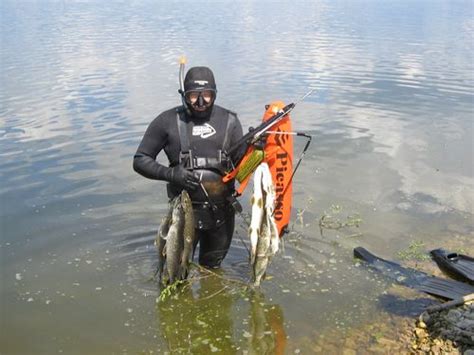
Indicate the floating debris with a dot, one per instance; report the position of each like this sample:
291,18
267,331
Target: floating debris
213,348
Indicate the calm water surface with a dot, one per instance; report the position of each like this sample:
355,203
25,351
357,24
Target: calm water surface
392,126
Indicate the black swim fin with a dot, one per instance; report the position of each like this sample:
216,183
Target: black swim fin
436,286
457,266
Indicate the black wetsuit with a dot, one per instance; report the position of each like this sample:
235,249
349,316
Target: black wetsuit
207,139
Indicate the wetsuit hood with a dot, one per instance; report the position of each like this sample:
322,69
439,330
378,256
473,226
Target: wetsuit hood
199,79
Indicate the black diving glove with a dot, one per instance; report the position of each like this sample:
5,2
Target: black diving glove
182,177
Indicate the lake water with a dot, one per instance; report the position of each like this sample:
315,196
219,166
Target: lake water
392,125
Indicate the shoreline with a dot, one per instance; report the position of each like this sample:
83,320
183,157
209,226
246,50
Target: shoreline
406,327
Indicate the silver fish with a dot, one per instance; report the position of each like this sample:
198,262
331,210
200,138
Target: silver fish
270,200
263,231
161,241
262,257
257,213
189,234
174,241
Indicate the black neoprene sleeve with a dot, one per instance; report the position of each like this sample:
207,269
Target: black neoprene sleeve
152,143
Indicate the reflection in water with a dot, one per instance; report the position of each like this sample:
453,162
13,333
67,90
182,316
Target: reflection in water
198,320
402,305
268,334
208,315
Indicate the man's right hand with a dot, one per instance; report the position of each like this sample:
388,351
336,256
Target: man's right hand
184,178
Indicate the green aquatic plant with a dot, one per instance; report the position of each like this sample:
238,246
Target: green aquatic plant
415,251
232,286
332,220
378,335
169,290
300,213
335,209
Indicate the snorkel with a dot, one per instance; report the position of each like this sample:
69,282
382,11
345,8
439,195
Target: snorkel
182,62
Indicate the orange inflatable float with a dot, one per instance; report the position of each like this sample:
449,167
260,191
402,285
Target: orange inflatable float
278,154
279,157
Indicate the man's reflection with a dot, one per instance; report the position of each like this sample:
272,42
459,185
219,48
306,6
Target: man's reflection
198,317
208,315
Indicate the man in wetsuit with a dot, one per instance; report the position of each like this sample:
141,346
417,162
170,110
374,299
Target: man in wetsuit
195,138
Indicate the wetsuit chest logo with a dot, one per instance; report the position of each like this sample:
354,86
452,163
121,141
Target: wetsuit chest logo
204,131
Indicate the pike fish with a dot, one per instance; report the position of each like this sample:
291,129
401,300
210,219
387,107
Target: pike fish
174,241
257,213
262,257
263,231
189,235
161,241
